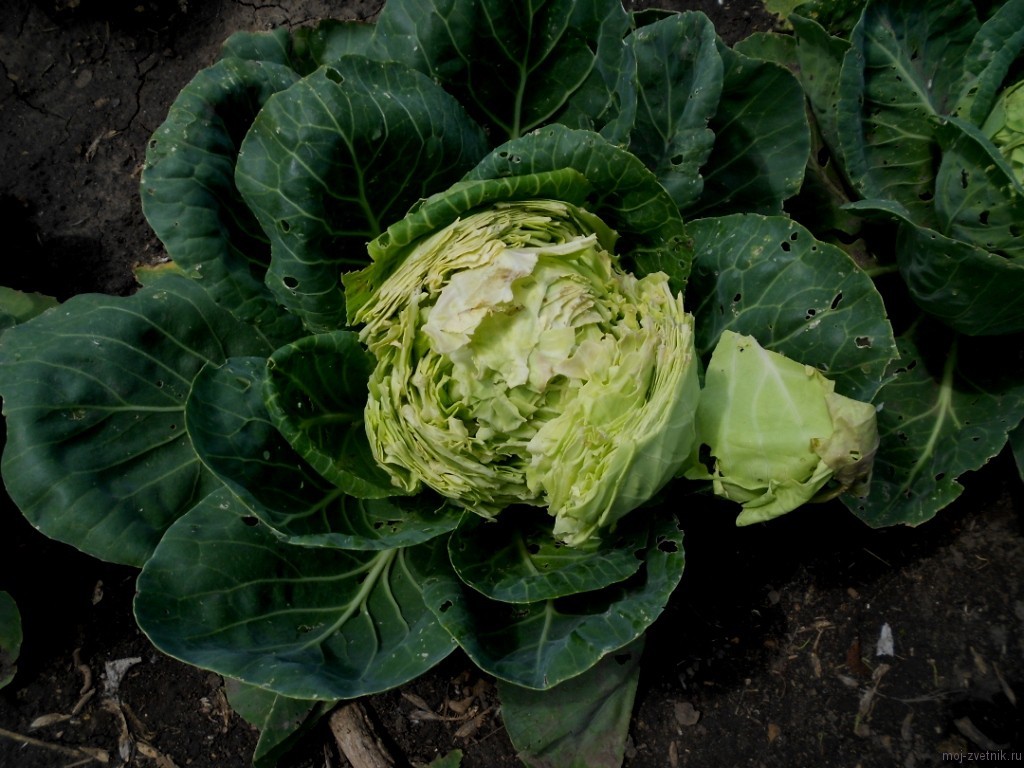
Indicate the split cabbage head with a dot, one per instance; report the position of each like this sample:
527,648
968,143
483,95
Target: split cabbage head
779,434
1005,127
518,363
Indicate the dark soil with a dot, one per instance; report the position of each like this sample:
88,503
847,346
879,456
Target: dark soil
767,655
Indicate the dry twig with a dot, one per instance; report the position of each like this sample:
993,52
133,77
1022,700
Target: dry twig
357,739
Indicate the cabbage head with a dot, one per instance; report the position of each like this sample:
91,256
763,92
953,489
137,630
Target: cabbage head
517,363
1005,127
778,433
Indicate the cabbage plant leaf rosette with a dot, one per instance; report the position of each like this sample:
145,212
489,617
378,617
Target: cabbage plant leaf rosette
517,363
418,374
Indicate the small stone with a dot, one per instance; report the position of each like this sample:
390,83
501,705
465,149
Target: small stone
686,713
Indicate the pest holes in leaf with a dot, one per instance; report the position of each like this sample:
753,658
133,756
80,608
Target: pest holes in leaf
335,76
666,545
533,548
443,608
926,196
290,282
862,342
159,383
902,436
811,312
939,476
965,178
705,457
836,300
983,218
284,225
250,521
785,246
676,160
736,298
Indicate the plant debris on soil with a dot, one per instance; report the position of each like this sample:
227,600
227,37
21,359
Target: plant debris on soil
809,641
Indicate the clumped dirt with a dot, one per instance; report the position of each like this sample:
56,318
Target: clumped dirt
775,651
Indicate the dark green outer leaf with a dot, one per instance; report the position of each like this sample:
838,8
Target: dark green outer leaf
625,194
189,195
427,35
581,723
767,277
231,430
539,645
978,199
304,49
820,58
94,392
770,46
280,720
968,288
816,57
837,16
903,68
308,623
679,84
607,100
946,411
315,392
516,560
762,140
995,48
513,65
331,161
